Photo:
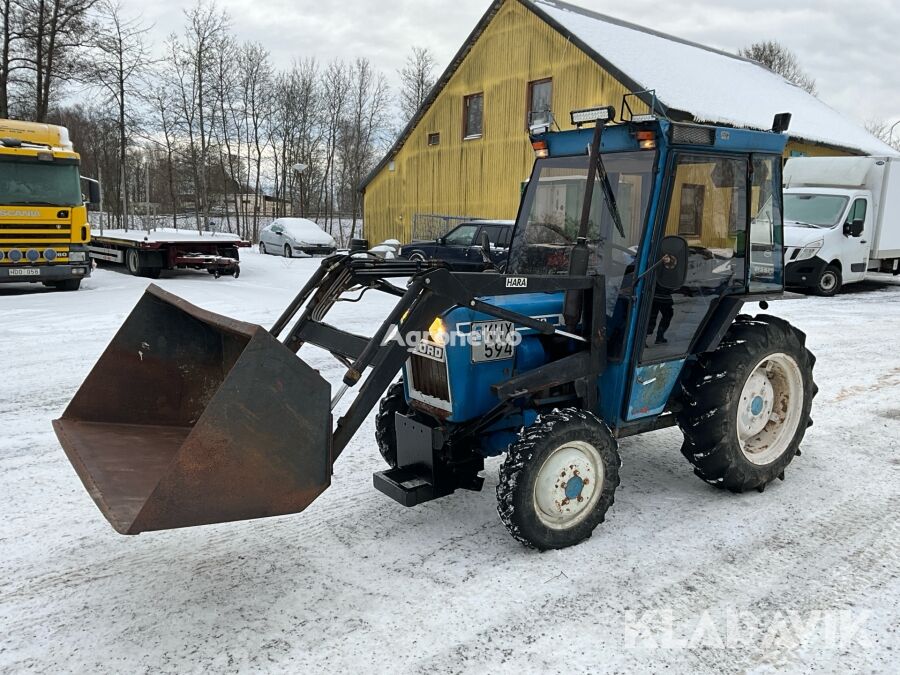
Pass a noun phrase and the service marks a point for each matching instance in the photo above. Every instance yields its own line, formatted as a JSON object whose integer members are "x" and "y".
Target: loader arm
{"x": 432, "y": 289}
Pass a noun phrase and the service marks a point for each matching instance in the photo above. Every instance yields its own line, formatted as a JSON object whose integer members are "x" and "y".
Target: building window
{"x": 473, "y": 120}
{"x": 434, "y": 139}
{"x": 690, "y": 217}
{"x": 540, "y": 99}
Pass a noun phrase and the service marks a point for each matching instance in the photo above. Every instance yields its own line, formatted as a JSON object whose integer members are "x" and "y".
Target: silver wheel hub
{"x": 770, "y": 408}
{"x": 568, "y": 485}
{"x": 828, "y": 281}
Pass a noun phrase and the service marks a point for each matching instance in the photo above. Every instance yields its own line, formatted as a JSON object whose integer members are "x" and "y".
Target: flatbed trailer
{"x": 147, "y": 254}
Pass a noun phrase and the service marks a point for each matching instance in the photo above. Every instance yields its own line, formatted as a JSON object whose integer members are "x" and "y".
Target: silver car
{"x": 294, "y": 238}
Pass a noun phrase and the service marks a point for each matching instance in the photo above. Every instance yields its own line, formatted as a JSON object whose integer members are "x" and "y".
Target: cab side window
{"x": 766, "y": 245}
{"x": 707, "y": 208}
{"x": 858, "y": 212}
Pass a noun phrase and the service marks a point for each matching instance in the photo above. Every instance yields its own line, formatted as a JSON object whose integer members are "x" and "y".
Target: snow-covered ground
{"x": 681, "y": 577}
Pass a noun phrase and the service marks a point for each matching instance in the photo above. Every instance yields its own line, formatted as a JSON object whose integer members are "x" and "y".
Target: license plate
{"x": 492, "y": 341}
{"x": 24, "y": 272}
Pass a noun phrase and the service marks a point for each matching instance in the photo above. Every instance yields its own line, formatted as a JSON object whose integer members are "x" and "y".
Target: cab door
{"x": 858, "y": 243}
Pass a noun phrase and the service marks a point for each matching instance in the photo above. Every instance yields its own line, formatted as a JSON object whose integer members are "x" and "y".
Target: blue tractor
{"x": 636, "y": 247}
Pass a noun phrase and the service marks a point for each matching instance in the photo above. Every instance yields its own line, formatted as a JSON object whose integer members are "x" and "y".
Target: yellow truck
{"x": 44, "y": 229}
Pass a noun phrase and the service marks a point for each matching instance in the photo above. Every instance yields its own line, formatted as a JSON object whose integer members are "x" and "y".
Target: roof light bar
{"x": 643, "y": 118}
{"x": 590, "y": 115}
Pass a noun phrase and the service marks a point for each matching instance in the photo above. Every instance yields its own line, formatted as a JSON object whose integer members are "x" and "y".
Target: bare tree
{"x": 778, "y": 58}
{"x": 167, "y": 124}
{"x": 193, "y": 58}
{"x": 52, "y": 31}
{"x": 888, "y": 132}
{"x": 335, "y": 89}
{"x": 117, "y": 65}
{"x": 416, "y": 80}
{"x": 256, "y": 87}
{"x": 365, "y": 123}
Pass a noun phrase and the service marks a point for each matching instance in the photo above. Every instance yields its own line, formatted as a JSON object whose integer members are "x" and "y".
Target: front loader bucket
{"x": 191, "y": 418}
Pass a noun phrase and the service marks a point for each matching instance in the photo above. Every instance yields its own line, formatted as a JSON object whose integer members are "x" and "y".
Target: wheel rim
{"x": 417, "y": 257}
{"x": 568, "y": 485}
{"x": 769, "y": 409}
{"x": 132, "y": 261}
{"x": 828, "y": 282}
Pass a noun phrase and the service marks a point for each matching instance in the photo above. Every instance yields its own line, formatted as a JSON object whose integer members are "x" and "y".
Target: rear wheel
{"x": 136, "y": 265}
{"x": 829, "y": 282}
{"x": 747, "y": 404}
{"x": 133, "y": 261}
{"x": 394, "y": 401}
{"x": 558, "y": 479}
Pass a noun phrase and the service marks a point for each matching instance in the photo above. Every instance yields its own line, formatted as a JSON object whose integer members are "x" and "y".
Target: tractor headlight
{"x": 77, "y": 256}
{"x": 437, "y": 331}
{"x": 810, "y": 250}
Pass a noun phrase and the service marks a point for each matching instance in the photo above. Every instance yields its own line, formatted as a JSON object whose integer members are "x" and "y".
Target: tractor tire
{"x": 394, "y": 401}
{"x": 746, "y": 406}
{"x": 829, "y": 282}
{"x": 558, "y": 479}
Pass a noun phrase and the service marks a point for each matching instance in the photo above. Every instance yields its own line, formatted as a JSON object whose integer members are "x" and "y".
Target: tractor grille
{"x": 429, "y": 377}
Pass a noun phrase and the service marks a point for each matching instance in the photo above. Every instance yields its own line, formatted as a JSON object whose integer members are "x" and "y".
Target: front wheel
{"x": 829, "y": 282}
{"x": 394, "y": 402}
{"x": 746, "y": 406}
{"x": 558, "y": 479}
{"x": 262, "y": 248}
{"x": 287, "y": 252}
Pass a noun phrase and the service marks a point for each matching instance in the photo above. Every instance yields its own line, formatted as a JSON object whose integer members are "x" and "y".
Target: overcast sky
{"x": 851, "y": 48}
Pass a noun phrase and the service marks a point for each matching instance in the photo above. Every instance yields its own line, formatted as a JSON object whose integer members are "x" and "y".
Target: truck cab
{"x": 44, "y": 229}
{"x": 842, "y": 221}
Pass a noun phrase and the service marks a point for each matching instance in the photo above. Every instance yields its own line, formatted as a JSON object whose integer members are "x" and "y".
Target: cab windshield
{"x": 38, "y": 183}
{"x": 814, "y": 210}
{"x": 551, "y": 215}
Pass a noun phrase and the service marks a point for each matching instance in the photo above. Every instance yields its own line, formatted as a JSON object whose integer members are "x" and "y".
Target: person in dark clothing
{"x": 663, "y": 308}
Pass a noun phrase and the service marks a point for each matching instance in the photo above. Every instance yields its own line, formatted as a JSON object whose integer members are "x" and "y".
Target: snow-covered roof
{"x": 711, "y": 85}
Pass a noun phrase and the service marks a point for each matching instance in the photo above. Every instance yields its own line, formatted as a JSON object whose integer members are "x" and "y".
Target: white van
{"x": 841, "y": 220}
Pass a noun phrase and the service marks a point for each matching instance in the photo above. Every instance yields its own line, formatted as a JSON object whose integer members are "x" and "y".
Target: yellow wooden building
{"x": 466, "y": 152}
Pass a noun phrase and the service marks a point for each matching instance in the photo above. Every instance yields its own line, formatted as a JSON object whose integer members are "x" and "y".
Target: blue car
{"x": 461, "y": 246}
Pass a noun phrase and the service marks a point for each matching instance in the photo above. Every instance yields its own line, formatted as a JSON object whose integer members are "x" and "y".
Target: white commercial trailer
{"x": 841, "y": 220}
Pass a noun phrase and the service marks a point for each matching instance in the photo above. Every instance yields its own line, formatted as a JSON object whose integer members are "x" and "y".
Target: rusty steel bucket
{"x": 190, "y": 418}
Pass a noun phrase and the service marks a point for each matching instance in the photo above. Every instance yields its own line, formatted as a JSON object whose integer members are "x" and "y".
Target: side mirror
{"x": 855, "y": 228}
{"x": 673, "y": 263}
{"x": 486, "y": 247}
{"x": 93, "y": 187}
{"x": 440, "y": 241}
